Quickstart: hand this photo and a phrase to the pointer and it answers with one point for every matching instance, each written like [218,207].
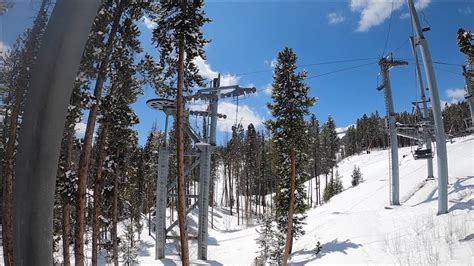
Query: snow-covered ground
[356,226]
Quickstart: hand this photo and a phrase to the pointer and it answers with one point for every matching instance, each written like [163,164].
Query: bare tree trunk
[7,223]
[114,222]
[66,219]
[87,146]
[98,191]
[180,155]
[212,205]
[231,191]
[289,234]
[237,190]
[66,228]
[226,193]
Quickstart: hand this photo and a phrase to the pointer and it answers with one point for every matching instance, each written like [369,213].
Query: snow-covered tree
[180,41]
[265,240]
[290,105]
[314,145]
[329,147]
[333,188]
[356,176]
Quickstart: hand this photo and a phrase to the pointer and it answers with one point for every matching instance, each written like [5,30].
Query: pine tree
[178,33]
[236,163]
[103,47]
[149,170]
[67,167]
[265,238]
[5,5]
[356,176]
[330,146]
[333,188]
[315,153]
[251,174]
[290,105]
[123,90]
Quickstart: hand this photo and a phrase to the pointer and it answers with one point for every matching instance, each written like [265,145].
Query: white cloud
[80,128]
[271,63]
[268,89]
[422,4]
[246,115]
[3,48]
[455,95]
[335,18]
[405,16]
[375,12]
[149,23]
[465,11]
[206,71]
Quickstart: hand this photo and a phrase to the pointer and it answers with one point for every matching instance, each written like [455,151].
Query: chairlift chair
[423,154]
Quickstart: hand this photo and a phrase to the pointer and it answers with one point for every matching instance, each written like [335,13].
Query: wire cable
[308,65]
[389,28]
[340,70]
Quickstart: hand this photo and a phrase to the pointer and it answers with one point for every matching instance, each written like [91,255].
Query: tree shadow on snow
[457,187]
[143,247]
[327,248]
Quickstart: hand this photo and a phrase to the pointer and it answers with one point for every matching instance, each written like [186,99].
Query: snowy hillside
[355,226]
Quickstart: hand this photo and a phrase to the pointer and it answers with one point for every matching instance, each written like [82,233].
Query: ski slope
[356,227]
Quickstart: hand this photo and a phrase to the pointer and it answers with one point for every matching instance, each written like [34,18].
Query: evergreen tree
[123,90]
[290,105]
[107,24]
[356,176]
[265,238]
[333,188]
[149,171]
[315,153]
[178,35]
[330,146]
[251,170]
[350,141]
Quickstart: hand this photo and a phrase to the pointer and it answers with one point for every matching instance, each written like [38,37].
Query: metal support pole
[441,153]
[214,101]
[468,72]
[161,195]
[393,131]
[203,201]
[42,129]
[426,113]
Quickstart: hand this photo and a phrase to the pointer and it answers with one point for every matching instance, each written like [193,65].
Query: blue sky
[246,37]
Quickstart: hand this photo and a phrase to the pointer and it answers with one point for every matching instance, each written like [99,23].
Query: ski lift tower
[468,72]
[211,95]
[205,146]
[441,154]
[387,63]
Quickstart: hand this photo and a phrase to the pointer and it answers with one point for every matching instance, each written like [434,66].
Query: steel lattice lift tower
[202,151]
